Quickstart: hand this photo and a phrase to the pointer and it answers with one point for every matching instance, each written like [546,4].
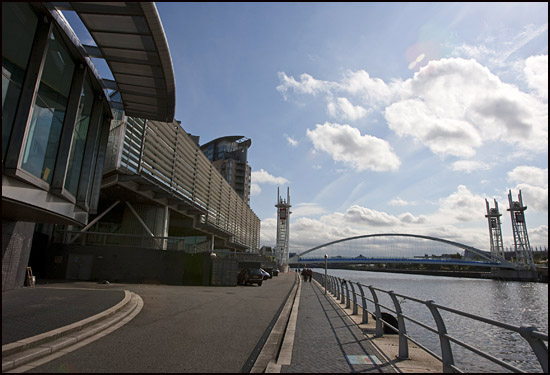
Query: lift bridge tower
[283,223]
[495,232]
[524,255]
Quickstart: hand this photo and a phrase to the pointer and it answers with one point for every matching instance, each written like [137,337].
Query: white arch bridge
[399,248]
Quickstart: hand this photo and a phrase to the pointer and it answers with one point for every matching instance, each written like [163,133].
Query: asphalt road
[184,329]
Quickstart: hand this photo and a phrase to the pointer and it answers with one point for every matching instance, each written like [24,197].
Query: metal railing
[345,292]
[131,240]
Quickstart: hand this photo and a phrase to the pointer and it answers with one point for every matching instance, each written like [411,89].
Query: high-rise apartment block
[229,157]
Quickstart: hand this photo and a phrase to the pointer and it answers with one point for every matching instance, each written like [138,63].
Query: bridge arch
[486,256]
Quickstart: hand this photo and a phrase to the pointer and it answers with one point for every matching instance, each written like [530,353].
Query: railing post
[343,295]
[446,351]
[403,342]
[337,287]
[378,314]
[363,305]
[540,350]
[354,299]
[348,284]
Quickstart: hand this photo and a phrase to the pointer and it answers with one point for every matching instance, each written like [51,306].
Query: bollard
[378,314]
[403,342]
[363,305]
[446,351]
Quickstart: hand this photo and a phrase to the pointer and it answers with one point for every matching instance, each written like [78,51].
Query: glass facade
[48,113]
[79,137]
[17,19]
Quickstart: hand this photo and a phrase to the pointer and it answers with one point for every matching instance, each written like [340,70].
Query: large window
[18,28]
[79,137]
[40,150]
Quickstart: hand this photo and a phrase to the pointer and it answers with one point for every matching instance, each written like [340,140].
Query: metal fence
[349,292]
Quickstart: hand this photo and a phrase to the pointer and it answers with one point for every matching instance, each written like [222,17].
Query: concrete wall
[132,265]
[16,249]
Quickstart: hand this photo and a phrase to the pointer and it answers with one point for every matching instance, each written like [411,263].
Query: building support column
[16,251]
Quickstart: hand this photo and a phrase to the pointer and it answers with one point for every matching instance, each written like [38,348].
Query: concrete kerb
[387,346]
[49,345]
[275,343]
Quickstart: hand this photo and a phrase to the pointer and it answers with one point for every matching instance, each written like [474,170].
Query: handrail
[335,286]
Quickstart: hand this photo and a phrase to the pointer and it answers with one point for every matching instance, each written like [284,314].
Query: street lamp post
[326,256]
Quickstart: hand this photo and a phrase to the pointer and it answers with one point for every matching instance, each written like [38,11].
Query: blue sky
[380,117]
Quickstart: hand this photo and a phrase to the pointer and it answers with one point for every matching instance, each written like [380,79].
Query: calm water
[515,303]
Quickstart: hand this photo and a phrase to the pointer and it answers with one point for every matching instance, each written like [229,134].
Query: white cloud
[534,197]
[456,104]
[469,166]
[307,85]
[255,189]
[529,175]
[263,177]
[345,143]
[452,106]
[536,74]
[533,183]
[461,206]
[365,216]
[400,202]
[291,141]
[342,109]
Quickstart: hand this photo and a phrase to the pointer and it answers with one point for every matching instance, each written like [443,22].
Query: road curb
[22,352]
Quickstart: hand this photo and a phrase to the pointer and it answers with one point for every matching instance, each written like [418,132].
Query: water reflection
[515,303]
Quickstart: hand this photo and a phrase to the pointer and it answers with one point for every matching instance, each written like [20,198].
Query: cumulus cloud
[455,104]
[536,74]
[342,109]
[452,105]
[346,144]
[462,205]
[263,177]
[529,175]
[533,183]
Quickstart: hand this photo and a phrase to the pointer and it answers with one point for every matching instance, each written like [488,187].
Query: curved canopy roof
[130,37]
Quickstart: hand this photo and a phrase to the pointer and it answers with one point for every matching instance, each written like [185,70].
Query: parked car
[266,274]
[250,276]
[275,272]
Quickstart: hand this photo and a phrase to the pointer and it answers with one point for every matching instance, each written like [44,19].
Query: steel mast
[283,224]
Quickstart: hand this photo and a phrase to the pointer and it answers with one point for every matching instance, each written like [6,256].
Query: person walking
[304,274]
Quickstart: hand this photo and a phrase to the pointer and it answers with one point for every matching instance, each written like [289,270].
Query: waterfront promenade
[192,329]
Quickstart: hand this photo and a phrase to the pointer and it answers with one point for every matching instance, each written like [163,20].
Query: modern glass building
[89,161]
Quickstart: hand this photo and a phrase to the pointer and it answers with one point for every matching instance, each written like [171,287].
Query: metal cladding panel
[131,38]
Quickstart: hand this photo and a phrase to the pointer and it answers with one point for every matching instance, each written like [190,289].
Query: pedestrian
[309,274]
[304,274]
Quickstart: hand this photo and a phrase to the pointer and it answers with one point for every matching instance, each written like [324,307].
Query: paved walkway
[326,340]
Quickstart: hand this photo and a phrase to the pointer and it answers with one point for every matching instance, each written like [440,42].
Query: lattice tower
[495,232]
[283,223]
[524,255]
